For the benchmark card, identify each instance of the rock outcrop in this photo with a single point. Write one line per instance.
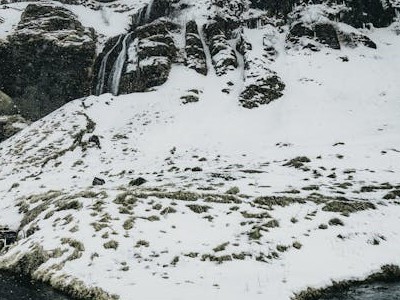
(47, 61)
(223, 55)
(150, 57)
(195, 53)
(261, 84)
(316, 26)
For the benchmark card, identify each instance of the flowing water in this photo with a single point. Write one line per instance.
(102, 72)
(118, 67)
(15, 287)
(371, 291)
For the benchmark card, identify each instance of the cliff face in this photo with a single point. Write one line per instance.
(47, 61)
(50, 57)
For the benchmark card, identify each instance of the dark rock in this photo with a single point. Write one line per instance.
(326, 34)
(363, 12)
(275, 7)
(159, 27)
(138, 181)
(189, 99)
(156, 51)
(47, 61)
(354, 39)
(98, 181)
(223, 55)
(197, 169)
(95, 140)
(195, 55)
(261, 85)
(322, 33)
(263, 91)
(7, 237)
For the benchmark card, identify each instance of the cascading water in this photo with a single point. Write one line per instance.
(143, 16)
(118, 67)
(101, 77)
(148, 10)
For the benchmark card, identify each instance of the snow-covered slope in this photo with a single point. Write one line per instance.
(239, 203)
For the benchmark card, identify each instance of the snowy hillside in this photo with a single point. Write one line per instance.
(272, 167)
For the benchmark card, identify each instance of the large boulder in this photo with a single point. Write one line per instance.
(47, 61)
(7, 106)
(312, 35)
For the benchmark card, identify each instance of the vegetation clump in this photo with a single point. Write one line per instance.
(347, 207)
(221, 247)
(111, 245)
(297, 162)
(198, 209)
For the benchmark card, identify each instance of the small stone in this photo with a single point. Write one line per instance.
(197, 169)
(98, 181)
(138, 181)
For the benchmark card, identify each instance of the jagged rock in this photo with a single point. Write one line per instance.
(138, 181)
(158, 27)
(309, 36)
(195, 55)
(263, 91)
(98, 181)
(10, 125)
(353, 39)
(47, 61)
(223, 55)
(95, 140)
(156, 45)
(150, 57)
(7, 237)
(261, 85)
(326, 34)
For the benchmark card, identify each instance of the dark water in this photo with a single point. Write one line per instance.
(15, 287)
(372, 291)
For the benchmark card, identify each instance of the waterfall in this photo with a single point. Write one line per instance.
(101, 77)
(118, 67)
(148, 10)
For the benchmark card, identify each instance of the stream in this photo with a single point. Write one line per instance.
(16, 287)
(370, 291)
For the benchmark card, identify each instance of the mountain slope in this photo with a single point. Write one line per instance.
(238, 203)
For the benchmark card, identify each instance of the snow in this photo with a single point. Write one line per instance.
(343, 116)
